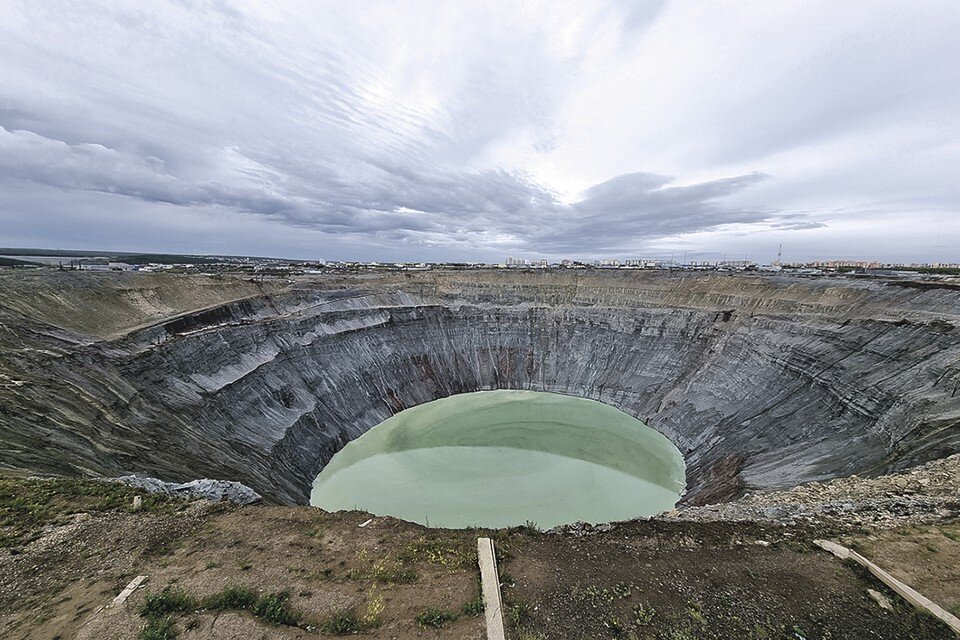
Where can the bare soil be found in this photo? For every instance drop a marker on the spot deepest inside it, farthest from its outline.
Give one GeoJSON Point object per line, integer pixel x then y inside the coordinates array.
{"type": "Point", "coordinates": [644, 579]}
{"type": "Point", "coordinates": [697, 581]}
{"type": "Point", "coordinates": [925, 557]}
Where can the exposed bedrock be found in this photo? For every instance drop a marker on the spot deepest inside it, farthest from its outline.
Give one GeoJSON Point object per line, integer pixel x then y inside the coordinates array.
{"type": "Point", "coordinates": [762, 382]}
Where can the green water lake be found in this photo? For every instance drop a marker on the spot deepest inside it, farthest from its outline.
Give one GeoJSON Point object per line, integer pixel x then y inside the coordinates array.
{"type": "Point", "coordinates": [505, 458]}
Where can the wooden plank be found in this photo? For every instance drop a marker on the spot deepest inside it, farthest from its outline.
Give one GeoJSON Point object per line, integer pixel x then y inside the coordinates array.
{"type": "Point", "coordinates": [130, 588]}
{"type": "Point", "coordinates": [902, 589]}
{"type": "Point", "coordinates": [490, 585]}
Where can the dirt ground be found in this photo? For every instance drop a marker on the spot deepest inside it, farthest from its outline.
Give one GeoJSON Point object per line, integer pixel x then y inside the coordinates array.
{"type": "Point", "coordinates": [392, 579]}
{"type": "Point", "coordinates": [683, 581]}
{"type": "Point", "coordinates": [925, 557]}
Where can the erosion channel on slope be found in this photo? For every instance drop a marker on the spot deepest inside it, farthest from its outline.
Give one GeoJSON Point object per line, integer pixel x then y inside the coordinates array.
{"type": "Point", "coordinates": [503, 458]}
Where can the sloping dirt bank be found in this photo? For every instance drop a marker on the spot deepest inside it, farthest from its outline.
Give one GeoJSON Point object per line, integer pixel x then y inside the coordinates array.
{"type": "Point", "coordinates": [326, 574]}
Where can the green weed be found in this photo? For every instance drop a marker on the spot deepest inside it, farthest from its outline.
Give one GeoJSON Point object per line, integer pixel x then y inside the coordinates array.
{"type": "Point", "coordinates": [643, 615]}
{"type": "Point", "coordinates": [162, 603]}
{"type": "Point", "coordinates": [455, 554]}
{"type": "Point", "coordinates": [275, 609]}
{"type": "Point", "coordinates": [342, 623]}
{"type": "Point", "coordinates": [473, 607]}
{"type": "Point", "coordinates": [434, 617]}
{"type": "Point", "coordinates": [158, 629]}
{"type": "Point", "coordinates": [233, 597]}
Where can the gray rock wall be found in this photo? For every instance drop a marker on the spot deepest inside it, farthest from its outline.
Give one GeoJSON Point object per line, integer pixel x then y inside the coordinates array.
{"type": "Point", "coordinates": [760, 381]}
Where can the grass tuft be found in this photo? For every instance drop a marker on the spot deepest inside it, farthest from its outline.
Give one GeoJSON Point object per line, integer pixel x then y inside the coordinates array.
{"type": "Point", "coordinates": [163, 603]}
{"type": "Point", "coordinates": [435, 618]}
{"type": "Point", "coordinates": [158, 629]}
{"type": "Point", "coordinates": [452, 554]}
{"type": "Point", "coordinates": [643, 615]}
{"type": "Point", "coordinates": [275, 609]}
{"type": "Point", "coordinates": [342, 623]}
{"type": "Point", "coordinates": [159, 607]}
{"type": "Point", "coordinates": [473, 607]}
{"type": "Point", "coordinates": [233, 597]}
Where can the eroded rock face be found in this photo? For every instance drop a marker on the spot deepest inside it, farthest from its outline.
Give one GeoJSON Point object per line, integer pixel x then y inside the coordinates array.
{"type": "Point", "coordinates": [761, 382]}
{"type": "Point", "coordinates": [206, 489]}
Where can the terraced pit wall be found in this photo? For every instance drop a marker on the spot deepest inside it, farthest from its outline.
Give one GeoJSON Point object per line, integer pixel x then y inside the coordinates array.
{"type": "Point", "coordinates": [761, 381]}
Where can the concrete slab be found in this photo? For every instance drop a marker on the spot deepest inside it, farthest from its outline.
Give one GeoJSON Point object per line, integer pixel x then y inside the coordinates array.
{"type": "Point", "coordinates": [490, 584]}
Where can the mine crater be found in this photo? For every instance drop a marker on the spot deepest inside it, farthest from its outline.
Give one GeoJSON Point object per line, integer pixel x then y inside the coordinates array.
{"type": "Point", "coordinates": [761, 382]}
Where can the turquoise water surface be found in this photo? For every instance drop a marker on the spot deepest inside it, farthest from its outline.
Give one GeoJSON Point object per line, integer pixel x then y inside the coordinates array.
{"type": "Point", "coordinates": [505, 458]}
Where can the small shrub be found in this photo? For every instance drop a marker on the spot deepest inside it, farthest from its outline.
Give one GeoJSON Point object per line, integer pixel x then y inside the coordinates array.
{"type": "Point", "coordinates": [233, 597]}
{"type": "Point", "coordinates": [613, 623]}
{"type": "Point", "coordinates": [342, 623]}
{"type": "Point", "coordinates": [158, 629]}
{"type": "Point", "coordinates": [519, 613]}
{"type": "Point", "coordinates": [274, 609]}
{"type": "Point", "coordinates": [384, 572]}
{"type": "Point", "coordinates": [157, 605]}
{"type": "Point", "coordinates": [643, 615]}
{"type": "Point", "coordinates": [473, 607]}
{"type": "Point", "coordinates": [371, 618]}
{"type": "Point", "coordinates": [435, 618]}
{"type": "Point", "coordinates": [693, 608]}
{"type": "Point", "coordinates": [445, 553]}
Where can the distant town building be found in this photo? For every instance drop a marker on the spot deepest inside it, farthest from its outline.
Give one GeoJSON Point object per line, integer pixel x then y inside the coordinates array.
{"type": "Point", "coordinates": [736, 264]}
{"type": "Point", "coordinates": [841, 264]}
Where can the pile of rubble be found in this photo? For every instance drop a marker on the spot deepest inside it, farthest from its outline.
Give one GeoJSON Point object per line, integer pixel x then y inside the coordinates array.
{"type": "Point", "coordinates": [927, 494]}
{"type": "Point", "coordinates": [206, 489]}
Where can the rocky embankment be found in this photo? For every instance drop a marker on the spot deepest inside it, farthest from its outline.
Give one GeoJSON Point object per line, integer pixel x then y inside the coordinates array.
{"type": "Point", "coordinates": [762, 382]}
{"type": "Point", "coordinates": [926, 494]}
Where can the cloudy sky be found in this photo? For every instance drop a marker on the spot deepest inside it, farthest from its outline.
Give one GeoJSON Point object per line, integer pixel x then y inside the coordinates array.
{"type": "Point", "coordinates": [477, 130]}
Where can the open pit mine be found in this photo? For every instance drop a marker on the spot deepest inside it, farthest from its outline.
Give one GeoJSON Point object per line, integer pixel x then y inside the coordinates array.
{"type": "Point", "coordinates": [760, 385]}
{"type": "Point", "coordinates": [760, 382]}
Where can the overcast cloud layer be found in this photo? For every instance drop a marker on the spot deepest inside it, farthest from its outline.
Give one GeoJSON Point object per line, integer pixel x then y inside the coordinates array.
{"type": "Point", "coordinates": [472, 131]}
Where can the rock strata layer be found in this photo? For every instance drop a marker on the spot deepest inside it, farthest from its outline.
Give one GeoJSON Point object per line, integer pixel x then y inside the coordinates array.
{"type": "Point", "coordinates": [762, 382]}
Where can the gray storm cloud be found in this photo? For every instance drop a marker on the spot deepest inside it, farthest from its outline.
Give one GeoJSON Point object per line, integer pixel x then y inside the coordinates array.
{"type": "Point", "coordinates": [471, 131]}
{"type": "Point", "coordinates": [397, 200]}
